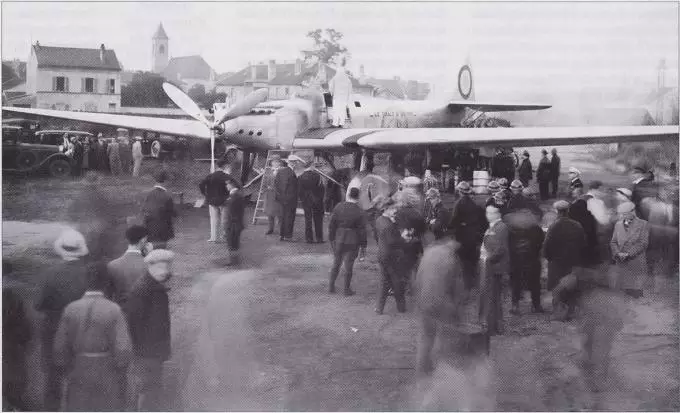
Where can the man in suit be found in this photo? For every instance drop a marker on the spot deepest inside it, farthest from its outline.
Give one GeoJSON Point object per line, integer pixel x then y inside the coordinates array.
{"type": "Point", "coordinates": [555, 165]}
{"type": "Point", "coordinates": [629, 245]}
{"type": "Point", "coordinates": [390, 255]}
{"type": "Point", "coordinates": [563, 248]}
{"type": "Point", "coordinates": [544, 175]}
{"type": "Point", "coordinates": [347, 233]}
{"type": "Point", "coordinates": [159, 212]}
{"type": "Point", "coordinates": [213, 187]}
{"type": "Point", "coordinates": [495, 257]}
{"type": "Point", "coordinates": [286, 187]}
{"type": "Point", "coordinates": [235, 208]}
{"type": "Point", "coordinates": [311, 197]}
{"type": "Point", "coordinates": [129, 267]}
{"type": "Point", "coordinates": [468, 225]}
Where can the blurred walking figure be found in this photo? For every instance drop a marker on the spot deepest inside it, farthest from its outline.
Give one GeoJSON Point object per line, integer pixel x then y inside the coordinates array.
{"type": "Point", "coordinates": [114, 156]}
{"type": "Point", "coordinates": [525, 243]}
{"type": "Point", "coordinates": [272, 208]}
{"type": "Point", "coordinates": [78, 156]}
{"type": "Point", "coordinates": [125, 155]}
{"type": "Point", "coordinates": [595, 203]}
{"type": "Point", "coordinates": [411, 225]}
{"type": "Point", "coordinates": [555, 166]}
{"type": "Point", "coordinates": [235, 208]}
{"type": "Point", "coordinates": [495, 258]}
{"type": "Point", "coordinates": [66, 284]}
{"type": "Point", "coordinates": [214, 189]}
{"type": "Point", "coordinates": [390, 258]}
{"type": "Point", "coordinates": [563, 248]}
{"type": "Point", "coordinates": [643, 187]}
{"type": "Point", "coordinates": [93, 348]}
{"type": "Point", "coordinates": [347, 233]}
{"type": "Point", "coordinates": [429, 181]}
{"type": "Point", "coordinates": [602, 310]}
{"type": "Point", "coordinates": [286, 187]}
{"type": "Point", "coordinates": [467, 225]}
{"type": "Point", "coordinates": [159, 212]}
{"type": "Point", "coordinates": [137, 156]}
{"type": "Point", "coordinates": [525, 171]}
{"type": "Point", "coordinates": [545, 175]}
{"type": "Point", "coordinates": [629, 245]}
{"type": "Point", "coordinates": [311, 198]}
{"type": "Point", "coordinates": [578, 211]}
{"type": "Point", "coordinates": [436, 216]}
{"type": "Point", "coordinates": [148, 317]}
{"type": "Point", "coordinates": [16, 335]}
{"type": "Point", "coordinates": [623, 195]}
{"type": "Point", "coordinates": [125, 270]}
{"type": "Point", "coordinates": [102, 153]}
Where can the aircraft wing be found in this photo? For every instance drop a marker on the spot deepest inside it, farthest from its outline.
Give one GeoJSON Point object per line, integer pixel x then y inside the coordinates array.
{"type": "Point", "coordinates": [179, 127]}
{"type": "Point", "coordinates": [386, 139]}
{"type": "Point", "coordinates": [496, 107]}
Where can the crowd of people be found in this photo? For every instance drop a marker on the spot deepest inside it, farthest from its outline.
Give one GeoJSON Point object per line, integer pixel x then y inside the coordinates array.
{"type": "Point", "coordinates": [117, 156]}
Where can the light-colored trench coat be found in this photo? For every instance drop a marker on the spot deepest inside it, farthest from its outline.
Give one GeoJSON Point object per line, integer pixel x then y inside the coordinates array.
{"type": "Point", "coordinates": [633, 241]}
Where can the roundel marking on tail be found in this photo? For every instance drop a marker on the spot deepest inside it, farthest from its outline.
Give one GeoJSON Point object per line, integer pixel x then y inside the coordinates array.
{"type": "Point", "coordinates": [465, 82]}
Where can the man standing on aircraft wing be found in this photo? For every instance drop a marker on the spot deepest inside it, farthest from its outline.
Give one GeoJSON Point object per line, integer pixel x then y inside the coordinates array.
{"type": "Point", "coordinates": [340, 87]}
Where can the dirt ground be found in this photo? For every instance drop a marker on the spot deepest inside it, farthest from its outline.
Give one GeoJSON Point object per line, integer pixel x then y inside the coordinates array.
{"type": "Point", "coordinates": [270, 337]}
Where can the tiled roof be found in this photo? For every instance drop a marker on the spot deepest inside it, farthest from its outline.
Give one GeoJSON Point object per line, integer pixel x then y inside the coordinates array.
{"type": "Point", "coordinates": [72, 57]}
{"type": "Point", "coordinates": [236, 79]}
{"type": "Point", "coordinates": [191, 67]}
{"type": "Point", "coordinates": [160, 33]}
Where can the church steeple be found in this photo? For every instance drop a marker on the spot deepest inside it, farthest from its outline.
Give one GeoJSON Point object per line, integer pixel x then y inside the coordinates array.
{"type": "Point", "coordinates": [159, 52]}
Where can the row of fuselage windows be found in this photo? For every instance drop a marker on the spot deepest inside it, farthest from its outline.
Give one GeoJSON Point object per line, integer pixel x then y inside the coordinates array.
{"type": "Point", "coordinates": [87, 85]}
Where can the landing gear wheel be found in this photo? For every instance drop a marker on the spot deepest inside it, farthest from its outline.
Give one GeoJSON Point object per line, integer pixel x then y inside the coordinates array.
{"type": "Point", "coordinates": [60, 168]}
{"type": "Point", "coordinates": [26, 161]}
{"type": "Point", "coordinates": [156, 149]}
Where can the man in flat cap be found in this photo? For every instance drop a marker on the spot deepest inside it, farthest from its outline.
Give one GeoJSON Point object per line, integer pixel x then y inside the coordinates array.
{"type": "Point", "coordinates": [148, 316]}
{"type": "Point", "coordinates": [563, 248]}
{"type": "Point", "coordinates": [468, 223]}
{"type": "Point", "coordinates": [66, 284]}
{"type": "Point", "coordinates": [525, 170]}
{"type": "Point", "coordinates": [628, 246]}
{"type": "Point", "coordinates": [545, 174]}
{"type": "Point", "coordinates": [159, 212]}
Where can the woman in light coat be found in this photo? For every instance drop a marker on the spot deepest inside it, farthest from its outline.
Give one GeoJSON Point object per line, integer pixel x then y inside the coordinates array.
{"type": "Point", "coordinates": [629, 246]}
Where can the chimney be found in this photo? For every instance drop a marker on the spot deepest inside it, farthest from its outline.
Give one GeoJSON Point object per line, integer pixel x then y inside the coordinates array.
{"type": "Point", "coordinates": [101, 52]}
{"type": "Point", "coordinates": [271, 70]}
{"type": "Point", "coordinates": [37, 44]}
{"type": "Point", "coordinates": [298, 66]}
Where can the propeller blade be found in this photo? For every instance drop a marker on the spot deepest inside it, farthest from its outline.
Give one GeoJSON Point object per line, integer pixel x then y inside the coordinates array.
{"type": "Point", "coordinates": [184, 102]}
{"type": "Point", "coordinates": [241, 107]}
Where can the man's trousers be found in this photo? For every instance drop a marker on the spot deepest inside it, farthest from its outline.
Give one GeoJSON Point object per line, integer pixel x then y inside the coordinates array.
{"type": "Point", "coordinates": [391, 278]}
{"type": "Point", "coordinates": [287, 219]}
{"type": "Point", "coordinates": [525, 272]}
{"type": "Point", "coordinates": [343, 255]}
{"type": "Point", "coordinates": [218, 221]}
{"type": "Point", "coordinates": [313, 217]}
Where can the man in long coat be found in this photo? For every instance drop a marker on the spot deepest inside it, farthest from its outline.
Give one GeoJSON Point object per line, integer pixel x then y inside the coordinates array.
{"type": "Point", "coordinates": [495, 257]}
{"type": "Point", "coordinates": [125, 155]}
{"type": "Point", "coordinates": [159, 212]}
{"type": "Point", "coordinates": [93, 346]}
{"type": "Point", "coordinates": [544, 176]}
{"type": "Point", "coordinates": [555, 165]}
{"type": "Point", "coordinates": [272, 208]}
{"type": "Point", "coordinates": [235, 209]}
{"type": "Point", "coordinates": [148, 316]}
{"type": "Point", "coordinates": [467, 225]}
{"type": "Point", "coordinates": [525, 171]}
{"type": "Point", "coordinates": [347, 234]}
{"type": "Point", "coordinates": [286, 187]}
{"type": "Point", "coordinates": [114, 156]}
{"type": "Point", "coordinates": [563, 248]}
{"type": "Point", "coordinates": [629, 245]}
{"type": "Point", "coordinates": [525, 243]}
{"type": "Point", "coordinates": [66, 284]}
{"type": "Point", "coordinates": [390, 256]}
{"type": "Point", "coordinates": [311, 198]}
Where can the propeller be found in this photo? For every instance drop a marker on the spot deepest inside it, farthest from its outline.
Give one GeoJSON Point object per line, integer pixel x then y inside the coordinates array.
{"type": "Point", "coordinates": [241, 107]}
{"type": "Point", "coordinates": [184, 102]}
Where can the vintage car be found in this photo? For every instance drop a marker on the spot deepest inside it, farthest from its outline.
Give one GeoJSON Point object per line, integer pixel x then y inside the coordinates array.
{"type": "Point", "coordinates": [42, 151]}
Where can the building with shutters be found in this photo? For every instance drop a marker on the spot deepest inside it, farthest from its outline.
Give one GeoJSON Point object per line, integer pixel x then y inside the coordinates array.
{"type": "Point", "coordinates": [67, 78]}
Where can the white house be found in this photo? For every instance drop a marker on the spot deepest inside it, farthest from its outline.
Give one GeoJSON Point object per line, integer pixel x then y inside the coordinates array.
{"type": "Point", "coordinates": [70, 78]}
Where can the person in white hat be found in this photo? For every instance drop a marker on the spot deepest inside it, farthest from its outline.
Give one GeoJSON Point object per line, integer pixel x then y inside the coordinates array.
{"type": "Point", "coordinates": [575, 182]}
{"type": "Point", "coordinates": [148, 315]}
{"type": "Point", "coordinates": [629, 246]}
{"type": "Point", "coordinates": [67, 283]}
{"type": "Point", "coordinates": [137, 156]}
{"type": "Point", "coordinates": [340, 87]}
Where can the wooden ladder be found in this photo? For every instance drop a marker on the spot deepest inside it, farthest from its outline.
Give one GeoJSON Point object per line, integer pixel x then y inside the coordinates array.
{"type": "Point", "coordinates": [267, 181]}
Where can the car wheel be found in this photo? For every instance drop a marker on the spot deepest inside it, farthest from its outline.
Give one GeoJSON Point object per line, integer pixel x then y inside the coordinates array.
{"type": "Point", "coordinates": [156, 149]}
{"type": "Point", "coordinates": [60, 168]}
{"type": "Point", "coordinates": [26, 161]}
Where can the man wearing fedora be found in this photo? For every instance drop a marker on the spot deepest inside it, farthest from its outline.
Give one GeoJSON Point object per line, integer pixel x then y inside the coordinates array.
{"type": "Point", "coordinates": [148, 314]}
{"type": "Point", "coordinates": [286, 187]}
{"type": "Point", "coordinates": [66, 284]}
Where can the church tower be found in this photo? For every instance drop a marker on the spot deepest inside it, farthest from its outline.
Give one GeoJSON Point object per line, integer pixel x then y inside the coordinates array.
{"type": "Point", "coordinates": [159, 52]}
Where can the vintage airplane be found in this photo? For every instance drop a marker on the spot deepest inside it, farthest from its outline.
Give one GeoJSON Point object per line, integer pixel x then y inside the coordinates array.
{"type": "Point", "coordinates": [255, 125]}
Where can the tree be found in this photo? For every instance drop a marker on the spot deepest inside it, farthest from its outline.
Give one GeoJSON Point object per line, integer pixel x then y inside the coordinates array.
{"type": "Point", "coordinates": [145, 90]}
{"type": "Point", "coordinates": [8, 75]}
{"type": "Point", "coordinates": [197, 92]}
{"type": "Point", "coordinates": [327, 47]}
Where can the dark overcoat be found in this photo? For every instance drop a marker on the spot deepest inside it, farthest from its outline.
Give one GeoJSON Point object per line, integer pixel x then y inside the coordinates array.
{"type": "Point", "coordinates": [159, 211]}
{"type": "Point", "coordinates": [148, 317]}
{"type": "Point", "coordinates": [563, 248]}
{"type": "Point", "coordinates": [468, 223]}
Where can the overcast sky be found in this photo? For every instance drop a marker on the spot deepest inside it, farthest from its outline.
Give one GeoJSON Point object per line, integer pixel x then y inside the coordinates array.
{"type": "Point", "coordinates": [552, 47]}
